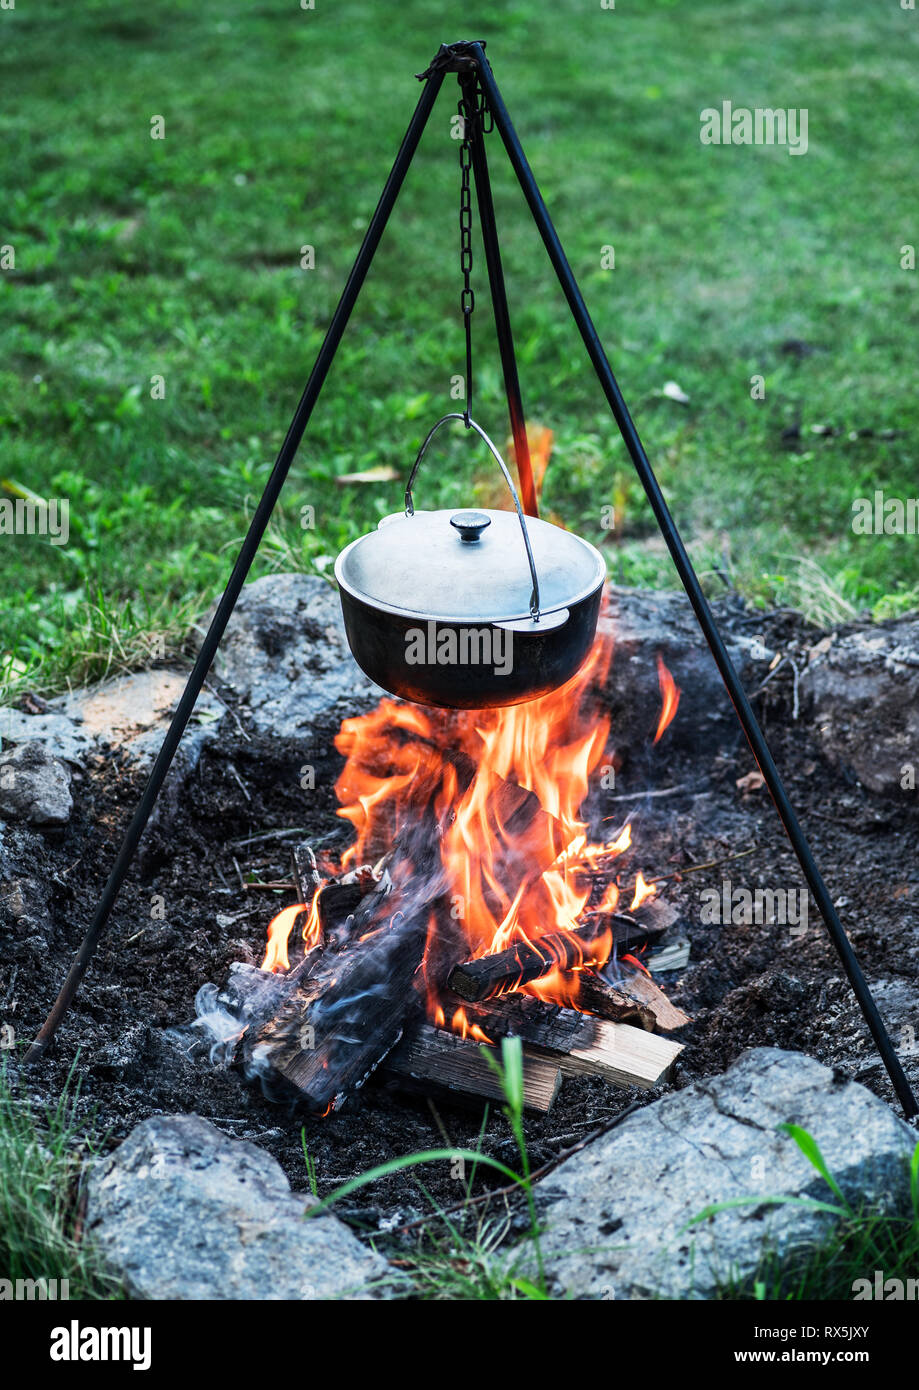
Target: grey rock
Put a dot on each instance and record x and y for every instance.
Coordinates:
(860, 690)
(133, 712)
(129, 712)
(617, 1212)
(645, 624)
(143, 748)
(179, 1211)
(286, 655)
(60, 734)
(34, 786)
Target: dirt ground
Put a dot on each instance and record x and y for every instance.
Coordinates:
(127, 1037)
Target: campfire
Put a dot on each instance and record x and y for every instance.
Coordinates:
(473, 903)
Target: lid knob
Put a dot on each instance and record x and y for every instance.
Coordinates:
(470, 525)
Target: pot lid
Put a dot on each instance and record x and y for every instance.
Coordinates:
(468, 566)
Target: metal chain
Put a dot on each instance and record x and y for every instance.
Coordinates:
(467, 298)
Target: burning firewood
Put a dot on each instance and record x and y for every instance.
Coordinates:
(606, 998)
(340, 897)
(638, 985)
(345, 1016)
(570, 1041)
(431, 1060)
(525, 961)
(631, 930)
(353, 1001)
(597, 996)
(305, 870)
(478, 821)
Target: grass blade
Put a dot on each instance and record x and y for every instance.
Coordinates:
(811, 1151)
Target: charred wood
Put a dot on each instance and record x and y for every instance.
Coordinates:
(344, 1017)
(624, 1055)
(631, 984)
(525, 961)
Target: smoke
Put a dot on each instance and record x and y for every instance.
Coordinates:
(225, 1017)
(219, 1025)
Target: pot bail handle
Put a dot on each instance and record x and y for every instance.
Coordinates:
(471, 424)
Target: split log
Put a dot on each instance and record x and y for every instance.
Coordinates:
(622, 1054)
(339, 898)
(638, 985)
(488, 977)
(336, 1027)
(599, 997)
(651, 918)
(655, 915)
(533, 1021)
(605, 998)
(429, 1059)
(544, 1024)
(306, 872)
(630, 930)
(352, 1005)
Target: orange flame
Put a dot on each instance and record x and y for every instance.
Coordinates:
(506, 788)
(460, 1024)
(502, 791)
(280, 928)
(556, 988)
(643, 891)
(670, 697)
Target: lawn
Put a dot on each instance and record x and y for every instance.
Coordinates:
(140, 259)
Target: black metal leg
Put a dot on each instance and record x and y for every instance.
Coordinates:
(681, 560)
(242, 566)
(499, 304)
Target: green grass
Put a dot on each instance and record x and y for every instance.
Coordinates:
(861, 1241)
(464, 1254)
(41, 1161)
(467, 1254)
(179, 258)
(450, 1260)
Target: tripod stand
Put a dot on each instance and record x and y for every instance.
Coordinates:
(482, 101)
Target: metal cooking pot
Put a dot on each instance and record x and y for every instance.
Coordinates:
(469, 610)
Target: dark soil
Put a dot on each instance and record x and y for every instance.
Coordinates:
(183, 918)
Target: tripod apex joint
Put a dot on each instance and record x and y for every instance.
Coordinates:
(453, 57)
